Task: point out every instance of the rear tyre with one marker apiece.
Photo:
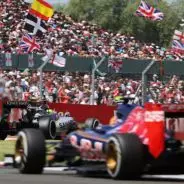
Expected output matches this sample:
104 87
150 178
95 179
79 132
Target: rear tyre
3 129
124 156
48 127
3 135
91 123
30 151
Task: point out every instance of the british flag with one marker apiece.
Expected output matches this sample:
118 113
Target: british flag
178 47
115 64
178 35
28 44
149 12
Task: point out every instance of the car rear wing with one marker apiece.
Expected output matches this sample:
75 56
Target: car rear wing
171 115
15 104
173 110
14 108
174 120
162 122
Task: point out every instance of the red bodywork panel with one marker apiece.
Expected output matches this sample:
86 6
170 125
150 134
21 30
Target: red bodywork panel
151 122
148 124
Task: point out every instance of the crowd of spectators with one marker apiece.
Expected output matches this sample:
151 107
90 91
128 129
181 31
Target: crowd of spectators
82 39
74 88
74 38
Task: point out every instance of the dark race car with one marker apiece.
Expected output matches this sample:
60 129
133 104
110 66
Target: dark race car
143 141
33 115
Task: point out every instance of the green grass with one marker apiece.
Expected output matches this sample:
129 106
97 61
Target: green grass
6 147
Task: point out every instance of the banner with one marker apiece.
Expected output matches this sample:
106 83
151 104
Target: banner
115 64
83 112
8 59
30 60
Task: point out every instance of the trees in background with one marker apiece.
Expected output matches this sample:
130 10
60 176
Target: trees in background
119 16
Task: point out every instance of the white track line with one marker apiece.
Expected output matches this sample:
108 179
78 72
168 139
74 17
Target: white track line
55 169
175 177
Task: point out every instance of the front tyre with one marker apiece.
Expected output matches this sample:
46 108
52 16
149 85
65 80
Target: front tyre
30 151
124 156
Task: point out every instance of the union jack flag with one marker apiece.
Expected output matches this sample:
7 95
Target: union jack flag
178 47
149 12
115 64
178 35
28 44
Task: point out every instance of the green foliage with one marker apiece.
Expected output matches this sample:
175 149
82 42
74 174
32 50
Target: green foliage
118 16
59 7
7 147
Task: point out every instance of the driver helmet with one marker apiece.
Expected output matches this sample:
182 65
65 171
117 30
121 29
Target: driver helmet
34 98
50 111
118 99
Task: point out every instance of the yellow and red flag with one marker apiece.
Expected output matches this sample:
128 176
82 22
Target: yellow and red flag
41 9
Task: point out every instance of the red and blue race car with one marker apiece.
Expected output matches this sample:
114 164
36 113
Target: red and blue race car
143 140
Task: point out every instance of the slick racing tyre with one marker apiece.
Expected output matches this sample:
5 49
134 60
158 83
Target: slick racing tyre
124 156
91 123
30 151
48 127
3 135
3 131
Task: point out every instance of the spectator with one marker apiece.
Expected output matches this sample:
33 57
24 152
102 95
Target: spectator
74 38
77 90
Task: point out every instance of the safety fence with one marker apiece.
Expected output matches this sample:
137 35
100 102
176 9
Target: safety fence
85 64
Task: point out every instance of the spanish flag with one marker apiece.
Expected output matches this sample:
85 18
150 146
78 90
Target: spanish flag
41 9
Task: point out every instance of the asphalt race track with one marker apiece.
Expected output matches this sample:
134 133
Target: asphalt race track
11 176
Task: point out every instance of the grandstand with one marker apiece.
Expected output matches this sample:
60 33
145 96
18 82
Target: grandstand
84 40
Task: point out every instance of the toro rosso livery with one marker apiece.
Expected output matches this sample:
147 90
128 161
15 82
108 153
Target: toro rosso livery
143 139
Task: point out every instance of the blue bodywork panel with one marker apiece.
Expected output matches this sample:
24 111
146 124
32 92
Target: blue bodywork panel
99 135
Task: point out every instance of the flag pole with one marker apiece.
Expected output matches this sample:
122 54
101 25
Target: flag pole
182 25
40 69
144 80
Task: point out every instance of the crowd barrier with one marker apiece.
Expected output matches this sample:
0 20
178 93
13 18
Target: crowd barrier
102 112
81 112
85 64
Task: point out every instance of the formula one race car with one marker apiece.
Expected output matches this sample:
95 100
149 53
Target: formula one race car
147 139
33 115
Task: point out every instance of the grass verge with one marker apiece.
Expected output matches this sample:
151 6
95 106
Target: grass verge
6 147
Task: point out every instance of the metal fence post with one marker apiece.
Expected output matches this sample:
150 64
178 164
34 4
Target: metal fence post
40 69
93 79
144 80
